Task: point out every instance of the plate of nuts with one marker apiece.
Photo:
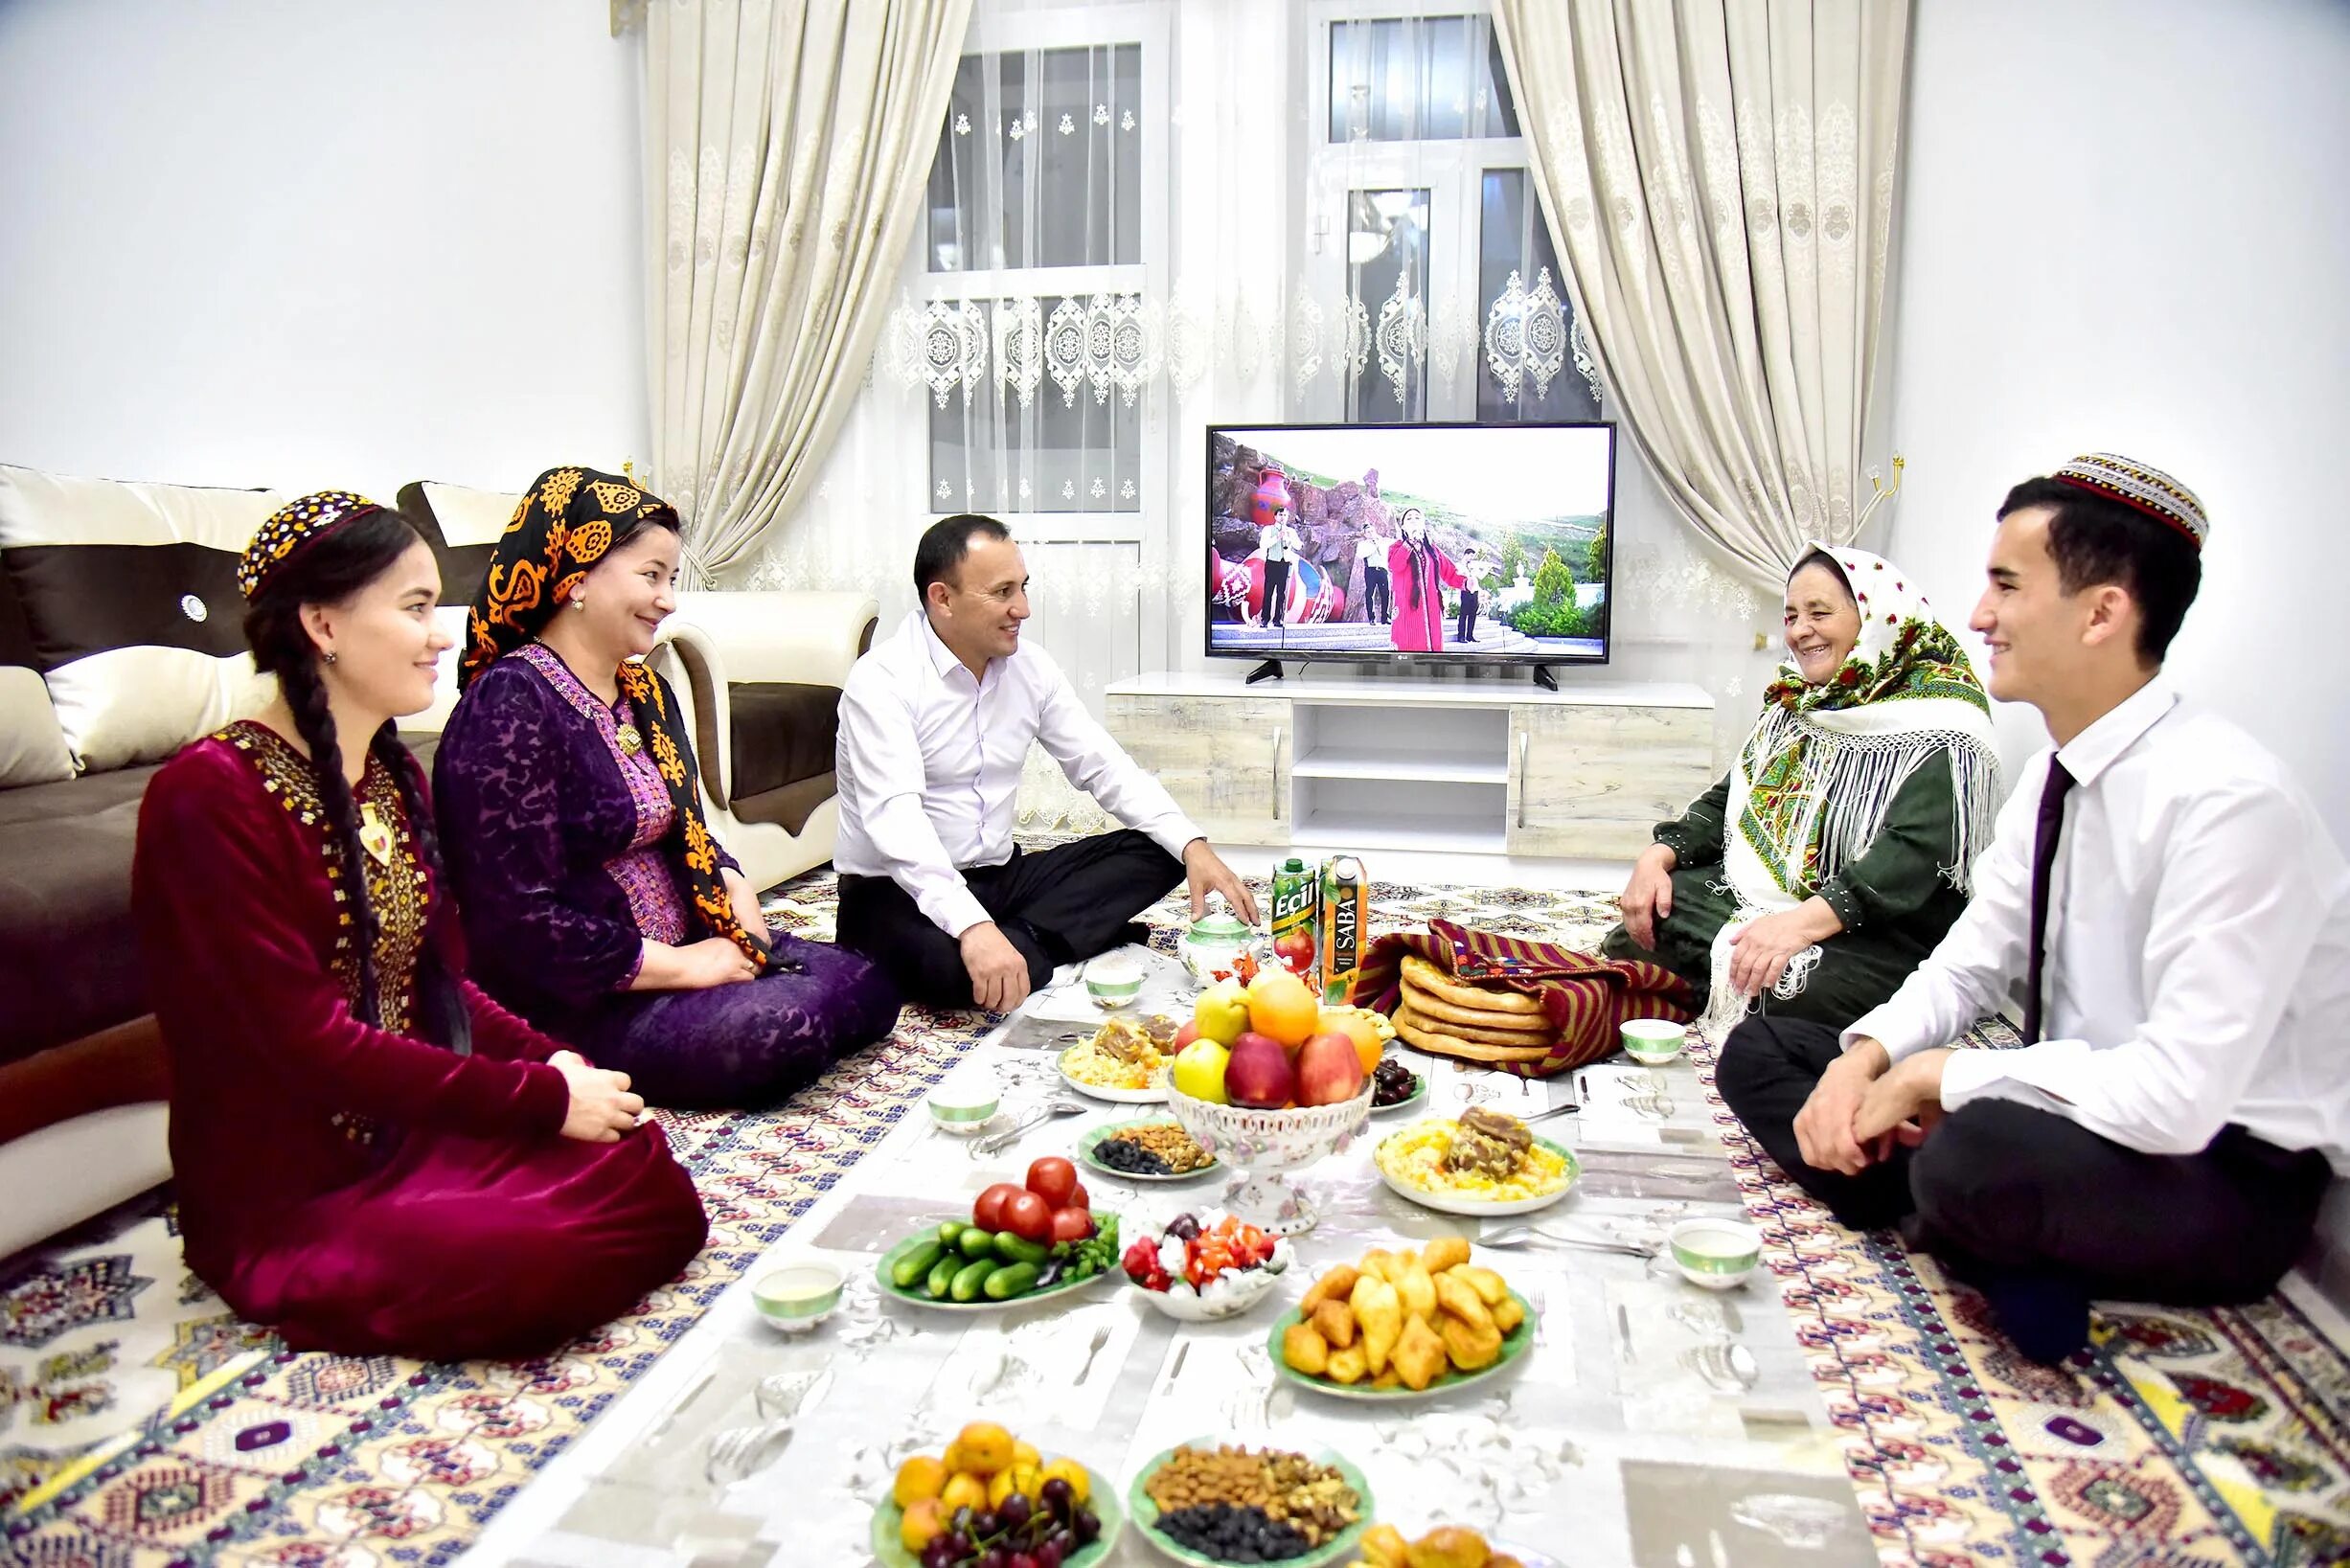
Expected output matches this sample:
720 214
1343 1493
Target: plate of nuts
1207 1505
1145 1151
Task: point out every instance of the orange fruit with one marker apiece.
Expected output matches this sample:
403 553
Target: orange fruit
1080 1485
1281 1008
1025 1453
986 1447
1368 1046
920 1477
924 1523
964 1489
1024 1479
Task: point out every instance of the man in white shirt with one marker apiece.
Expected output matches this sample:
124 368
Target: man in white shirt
2165 904
1378 598
935 725
1281 545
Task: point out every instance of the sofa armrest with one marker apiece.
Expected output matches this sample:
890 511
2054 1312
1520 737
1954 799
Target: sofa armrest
808 639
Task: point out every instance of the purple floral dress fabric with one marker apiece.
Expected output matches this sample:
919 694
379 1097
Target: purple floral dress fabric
537 817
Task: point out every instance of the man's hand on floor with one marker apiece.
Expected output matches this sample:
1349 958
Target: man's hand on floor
1205 870
999 974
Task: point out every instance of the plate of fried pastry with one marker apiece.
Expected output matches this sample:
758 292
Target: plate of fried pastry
1402 1326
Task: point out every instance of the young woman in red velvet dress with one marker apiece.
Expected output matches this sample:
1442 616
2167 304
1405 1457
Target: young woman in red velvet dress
370 1155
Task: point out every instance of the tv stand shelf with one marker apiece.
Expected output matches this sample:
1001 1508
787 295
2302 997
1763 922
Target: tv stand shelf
1470 763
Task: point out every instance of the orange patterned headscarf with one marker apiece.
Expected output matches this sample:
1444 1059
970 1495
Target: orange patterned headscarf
563 526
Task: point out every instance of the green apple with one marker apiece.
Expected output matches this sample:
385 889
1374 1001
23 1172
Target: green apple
1199 1070
1222 1012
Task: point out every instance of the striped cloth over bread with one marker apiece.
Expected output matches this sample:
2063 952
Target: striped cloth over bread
1586 997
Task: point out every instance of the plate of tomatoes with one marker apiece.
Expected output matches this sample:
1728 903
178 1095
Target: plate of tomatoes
1021 1243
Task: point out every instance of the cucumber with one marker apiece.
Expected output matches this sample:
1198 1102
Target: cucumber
943 1274
975 1243
972 1277
949 1229
1010 1281
915 1264
1018 1249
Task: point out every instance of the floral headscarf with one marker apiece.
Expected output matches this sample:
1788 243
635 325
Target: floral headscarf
565 524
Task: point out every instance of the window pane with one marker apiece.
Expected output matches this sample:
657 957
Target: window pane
991 454
1387 241
1418 78
1512 237
1039 162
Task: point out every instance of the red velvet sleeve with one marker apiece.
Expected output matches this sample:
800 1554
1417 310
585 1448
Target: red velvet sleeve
501 1036
219 894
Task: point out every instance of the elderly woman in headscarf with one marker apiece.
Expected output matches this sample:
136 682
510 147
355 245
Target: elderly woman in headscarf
1836 852
596 902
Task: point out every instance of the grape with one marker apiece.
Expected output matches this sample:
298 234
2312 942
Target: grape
985 1525
958 1544
1086 1526
1013 1512
1056 1495
936 1554
1063 1541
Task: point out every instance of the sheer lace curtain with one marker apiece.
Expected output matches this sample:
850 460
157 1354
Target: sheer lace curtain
1142 219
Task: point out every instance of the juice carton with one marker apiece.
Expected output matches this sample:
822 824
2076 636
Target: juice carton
1344 918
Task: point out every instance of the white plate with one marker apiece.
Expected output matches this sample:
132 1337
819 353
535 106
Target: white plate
1453 1203
1156 1095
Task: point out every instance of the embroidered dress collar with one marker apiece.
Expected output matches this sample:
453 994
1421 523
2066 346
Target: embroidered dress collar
2101 746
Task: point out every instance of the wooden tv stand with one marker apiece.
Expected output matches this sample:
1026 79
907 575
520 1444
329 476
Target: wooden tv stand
1488 765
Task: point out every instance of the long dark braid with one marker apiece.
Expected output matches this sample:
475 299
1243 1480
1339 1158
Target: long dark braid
328 571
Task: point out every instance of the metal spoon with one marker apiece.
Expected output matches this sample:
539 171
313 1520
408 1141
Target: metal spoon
1567 1110
1524 1236
996 1143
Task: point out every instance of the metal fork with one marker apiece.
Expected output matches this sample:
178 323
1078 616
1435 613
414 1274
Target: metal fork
996 1143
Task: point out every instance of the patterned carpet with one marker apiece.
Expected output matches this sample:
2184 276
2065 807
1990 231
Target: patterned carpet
141 1424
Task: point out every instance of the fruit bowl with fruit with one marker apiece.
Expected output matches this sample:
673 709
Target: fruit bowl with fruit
991 1501
1268 1082
1207 1266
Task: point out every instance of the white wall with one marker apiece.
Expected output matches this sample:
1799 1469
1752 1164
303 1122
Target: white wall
299 245
2124 231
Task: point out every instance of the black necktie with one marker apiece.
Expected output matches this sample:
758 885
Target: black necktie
2050 828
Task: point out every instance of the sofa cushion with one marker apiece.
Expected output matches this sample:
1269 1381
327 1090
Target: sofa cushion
782 734
462 525
68 951
130 605
33 749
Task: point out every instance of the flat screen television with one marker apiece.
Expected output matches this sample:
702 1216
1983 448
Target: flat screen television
1428 543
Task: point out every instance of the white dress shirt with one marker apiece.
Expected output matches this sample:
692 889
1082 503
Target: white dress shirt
930 764
2197 964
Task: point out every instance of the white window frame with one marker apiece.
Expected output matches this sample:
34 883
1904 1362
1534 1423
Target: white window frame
1452 172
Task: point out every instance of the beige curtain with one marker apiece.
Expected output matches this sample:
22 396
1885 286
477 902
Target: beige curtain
787 142
1718 176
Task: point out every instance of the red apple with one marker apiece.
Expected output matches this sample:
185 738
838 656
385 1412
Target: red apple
1259 1074
1184 1036
1328 1070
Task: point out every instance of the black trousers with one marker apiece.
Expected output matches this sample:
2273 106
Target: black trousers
2006 1187
1276 592
1378 598
1056 906
1467 631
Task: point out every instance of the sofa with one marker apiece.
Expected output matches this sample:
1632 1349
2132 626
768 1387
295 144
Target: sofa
121 641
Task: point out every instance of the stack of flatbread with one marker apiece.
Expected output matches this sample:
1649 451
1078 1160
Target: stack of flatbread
1454 1018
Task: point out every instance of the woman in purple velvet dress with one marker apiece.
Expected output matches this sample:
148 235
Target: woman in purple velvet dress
596 901
371 1156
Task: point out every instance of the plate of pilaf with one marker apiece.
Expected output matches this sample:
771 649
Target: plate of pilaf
1485 1164
1125 1063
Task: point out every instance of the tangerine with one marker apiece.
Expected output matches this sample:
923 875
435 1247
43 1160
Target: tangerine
920 1477
1281 1008
1024 1479
964 1491
986 1447
1025 1453
924 1523
1080 1485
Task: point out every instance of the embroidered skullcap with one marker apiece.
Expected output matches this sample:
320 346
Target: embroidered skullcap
2145 489
293 526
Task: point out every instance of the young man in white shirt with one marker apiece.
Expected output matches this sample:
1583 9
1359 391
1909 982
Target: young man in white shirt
935 725
2165 904
1378 598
